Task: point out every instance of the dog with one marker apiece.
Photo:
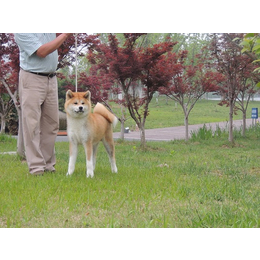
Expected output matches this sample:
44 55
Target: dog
88 129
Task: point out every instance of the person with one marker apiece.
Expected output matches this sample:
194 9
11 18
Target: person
38 93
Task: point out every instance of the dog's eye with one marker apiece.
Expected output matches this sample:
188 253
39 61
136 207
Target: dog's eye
75 103
82 103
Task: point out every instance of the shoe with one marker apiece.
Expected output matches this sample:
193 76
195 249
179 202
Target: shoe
38 173
51 171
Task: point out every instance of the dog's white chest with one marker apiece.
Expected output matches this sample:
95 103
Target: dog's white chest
77 130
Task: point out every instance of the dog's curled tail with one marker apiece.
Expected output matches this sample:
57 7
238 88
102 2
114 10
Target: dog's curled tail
102 110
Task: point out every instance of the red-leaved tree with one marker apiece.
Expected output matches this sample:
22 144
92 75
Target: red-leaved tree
9 59
132 68
189 84
235 66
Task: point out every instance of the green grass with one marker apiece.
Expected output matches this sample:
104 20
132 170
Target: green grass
205 182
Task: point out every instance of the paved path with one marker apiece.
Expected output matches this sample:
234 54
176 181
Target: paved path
169 133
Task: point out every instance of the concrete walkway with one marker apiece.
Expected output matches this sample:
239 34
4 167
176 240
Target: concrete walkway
170 133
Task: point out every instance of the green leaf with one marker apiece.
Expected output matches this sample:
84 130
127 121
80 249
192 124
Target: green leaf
257 70
235 39
246 43
256 61
256 47
250 35
258 84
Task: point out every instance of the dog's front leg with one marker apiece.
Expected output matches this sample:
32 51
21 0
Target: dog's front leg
73 157
94 155
89 159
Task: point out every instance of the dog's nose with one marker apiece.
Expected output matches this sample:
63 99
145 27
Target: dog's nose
80 108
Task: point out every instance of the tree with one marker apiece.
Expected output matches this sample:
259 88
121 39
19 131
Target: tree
131 66
190 41
231 63
247 89
189 84
9 58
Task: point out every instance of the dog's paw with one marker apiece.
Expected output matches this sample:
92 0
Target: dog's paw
114 169
90 174
68 174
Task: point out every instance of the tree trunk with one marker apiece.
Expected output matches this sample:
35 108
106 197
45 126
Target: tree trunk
186 127
186 121
142 136
231 137
244 123
122 120
122 133
3 123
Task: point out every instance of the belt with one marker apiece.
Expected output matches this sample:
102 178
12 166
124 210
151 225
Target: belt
49 75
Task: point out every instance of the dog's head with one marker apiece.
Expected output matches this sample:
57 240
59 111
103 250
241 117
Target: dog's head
78 104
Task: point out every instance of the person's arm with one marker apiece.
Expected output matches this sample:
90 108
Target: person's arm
50 47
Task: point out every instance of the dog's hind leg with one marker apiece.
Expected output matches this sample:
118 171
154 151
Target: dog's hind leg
73 157
89 159
110 148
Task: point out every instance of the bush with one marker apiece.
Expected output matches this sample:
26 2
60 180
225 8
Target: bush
206 133
203 133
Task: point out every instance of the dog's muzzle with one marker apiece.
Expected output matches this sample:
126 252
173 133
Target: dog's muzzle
79 109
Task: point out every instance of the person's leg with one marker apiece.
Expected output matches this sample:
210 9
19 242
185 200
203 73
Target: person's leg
50 124
32 87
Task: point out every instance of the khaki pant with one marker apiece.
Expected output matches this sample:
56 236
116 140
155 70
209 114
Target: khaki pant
40 119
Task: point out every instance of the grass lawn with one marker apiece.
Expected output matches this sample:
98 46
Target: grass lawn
200 183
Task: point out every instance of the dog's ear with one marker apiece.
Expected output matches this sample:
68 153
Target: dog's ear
87 95
69 94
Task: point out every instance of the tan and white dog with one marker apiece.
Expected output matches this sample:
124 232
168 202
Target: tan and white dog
87 128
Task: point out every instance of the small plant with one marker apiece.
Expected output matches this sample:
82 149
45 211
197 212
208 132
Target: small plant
219 132
172 152
203 133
